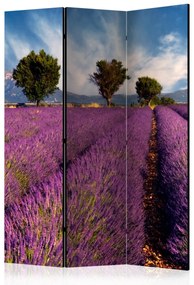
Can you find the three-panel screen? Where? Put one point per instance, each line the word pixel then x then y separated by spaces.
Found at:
pixel 96 137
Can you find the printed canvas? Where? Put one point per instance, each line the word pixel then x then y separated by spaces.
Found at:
pixel 157 131
pixel 96 172
pixel 127 137
pixel 33 137
pixel 96 149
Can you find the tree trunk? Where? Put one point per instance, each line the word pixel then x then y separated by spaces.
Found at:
pixel 37 103
pixel 108 100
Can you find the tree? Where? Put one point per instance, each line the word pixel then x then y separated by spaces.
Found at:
pixel 147 88
pixel 109 77
pixel 167 101
pixel 161 101
pixel 38 75
pixel 155 101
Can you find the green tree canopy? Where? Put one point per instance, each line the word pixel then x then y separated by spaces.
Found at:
pixel 167 101
pixel 155 101
pixel 147 88
pixel 161 101
pixel 109 77
pixel 38 75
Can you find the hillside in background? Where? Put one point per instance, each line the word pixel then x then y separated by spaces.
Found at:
pixel 118 99
pixel 14 94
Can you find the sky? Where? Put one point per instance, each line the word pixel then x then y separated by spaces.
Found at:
pixel 92 35
pixel 156 46
pixel 33 30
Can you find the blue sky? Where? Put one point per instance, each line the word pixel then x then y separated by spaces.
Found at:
pixel 157 46
pixel 32 30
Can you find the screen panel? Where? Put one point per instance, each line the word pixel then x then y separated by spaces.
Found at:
pixel 157 131
pixel 96 154
pixel 33 137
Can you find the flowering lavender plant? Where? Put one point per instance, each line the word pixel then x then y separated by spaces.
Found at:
pixel 33 186
pixel 173 184
pixel 181 109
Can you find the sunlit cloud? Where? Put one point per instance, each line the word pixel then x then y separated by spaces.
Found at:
pixel 168 66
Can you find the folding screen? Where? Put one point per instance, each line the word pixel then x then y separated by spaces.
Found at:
pixel 125 135
pixel 33 137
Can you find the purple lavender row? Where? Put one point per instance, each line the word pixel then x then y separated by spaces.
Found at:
pixel 33 226
pixel 96 213
pixel 181 109
pixel 139 131
pixel 86 125
pixel 33 150
pixel 28 122
pixel 173 184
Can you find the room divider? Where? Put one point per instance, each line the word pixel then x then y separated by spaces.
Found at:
pixel 96 137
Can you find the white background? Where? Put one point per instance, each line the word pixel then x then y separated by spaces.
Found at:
pixel 25 274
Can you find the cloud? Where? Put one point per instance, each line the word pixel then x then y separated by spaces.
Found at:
pixel 19 47
pixel 50 35
pixel 168 66
pixel 107 43
pixel 171 38
pixel 171 42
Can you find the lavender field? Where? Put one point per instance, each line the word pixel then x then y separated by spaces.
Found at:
pixel 33 186
pixel 132 195
pixel 96 184
pixel 127 186
pixel 181 109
